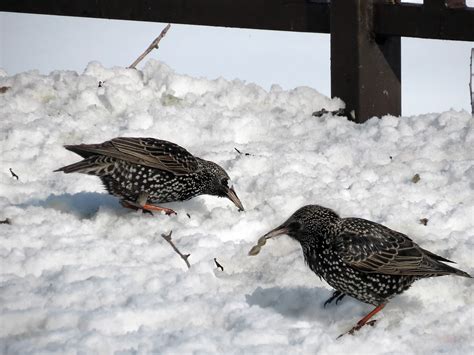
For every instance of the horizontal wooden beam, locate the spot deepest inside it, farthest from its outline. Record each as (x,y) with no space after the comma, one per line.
(431,20)
(286,15)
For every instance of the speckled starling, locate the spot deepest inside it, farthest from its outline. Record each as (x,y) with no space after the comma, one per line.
(142,171)
(359,258)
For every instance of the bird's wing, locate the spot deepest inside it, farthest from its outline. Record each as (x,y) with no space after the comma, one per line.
(373,248)
(155,153)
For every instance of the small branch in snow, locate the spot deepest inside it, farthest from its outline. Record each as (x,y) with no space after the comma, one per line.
(471,88)
(238,151)
(6,221)
(13,174)
(415,178)
(340,112)
(424,221)
(218,265)
(4,89)
(152,46)
(185,257)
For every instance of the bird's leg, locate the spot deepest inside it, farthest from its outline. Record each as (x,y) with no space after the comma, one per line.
(141,204)
(365,320)
(150,208)
(339,299)
(134,206)
(337,295)
(141,200)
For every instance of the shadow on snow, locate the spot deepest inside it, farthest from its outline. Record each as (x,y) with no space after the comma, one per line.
(301,303)
(307,304)
(87,204)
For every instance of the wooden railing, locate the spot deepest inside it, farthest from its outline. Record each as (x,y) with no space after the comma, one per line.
(365,34)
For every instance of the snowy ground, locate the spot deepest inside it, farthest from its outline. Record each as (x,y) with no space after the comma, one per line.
(78,273)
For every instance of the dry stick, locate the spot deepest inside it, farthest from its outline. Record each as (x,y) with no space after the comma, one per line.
(470,83)
(185,257)
(152,46)
(13,174)
(238,151)
(218,265)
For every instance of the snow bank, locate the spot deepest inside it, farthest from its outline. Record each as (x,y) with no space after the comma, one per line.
(81,274)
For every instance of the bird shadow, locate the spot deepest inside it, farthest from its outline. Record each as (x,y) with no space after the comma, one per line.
(83,204)
(301,303)
(307,304)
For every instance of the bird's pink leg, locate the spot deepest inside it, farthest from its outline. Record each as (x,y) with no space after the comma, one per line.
(365,320)
(142,205)
(167,211)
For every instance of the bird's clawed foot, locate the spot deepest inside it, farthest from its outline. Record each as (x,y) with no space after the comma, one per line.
(146,208)
(364,321)
(150,208)
(337,295)
(357,327)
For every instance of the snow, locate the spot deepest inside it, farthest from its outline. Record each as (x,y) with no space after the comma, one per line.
(80,274)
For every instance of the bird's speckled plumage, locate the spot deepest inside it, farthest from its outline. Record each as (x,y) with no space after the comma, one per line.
(162,170)
(360,258)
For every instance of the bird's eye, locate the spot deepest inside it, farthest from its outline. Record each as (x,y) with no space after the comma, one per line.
(294,226)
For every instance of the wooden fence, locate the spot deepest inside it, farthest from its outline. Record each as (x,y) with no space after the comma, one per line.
(365,34)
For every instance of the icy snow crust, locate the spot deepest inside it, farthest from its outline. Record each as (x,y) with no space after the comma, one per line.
(81,274)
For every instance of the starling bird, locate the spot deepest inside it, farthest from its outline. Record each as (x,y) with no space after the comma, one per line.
(145,170)
(359,258)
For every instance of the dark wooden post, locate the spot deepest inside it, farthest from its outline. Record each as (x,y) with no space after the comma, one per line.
(365,69)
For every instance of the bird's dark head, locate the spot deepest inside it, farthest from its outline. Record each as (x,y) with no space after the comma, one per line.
(217,183)
(306,223)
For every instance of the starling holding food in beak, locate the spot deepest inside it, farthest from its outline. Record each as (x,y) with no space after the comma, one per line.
(142,171)
(359,258)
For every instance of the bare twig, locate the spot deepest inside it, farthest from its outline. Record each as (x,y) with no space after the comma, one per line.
(320,113)
(238,151)
(424,221)
(6,221)
(218,265)
(152,46)
(13,174)
(185,257)
(471,89)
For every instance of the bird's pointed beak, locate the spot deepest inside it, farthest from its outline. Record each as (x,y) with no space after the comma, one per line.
(276,232)
(231,195)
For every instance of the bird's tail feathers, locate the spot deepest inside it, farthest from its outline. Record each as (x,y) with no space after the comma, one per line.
(437,257)
(96,165)
(462,273)
(453,270)
(84,150)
